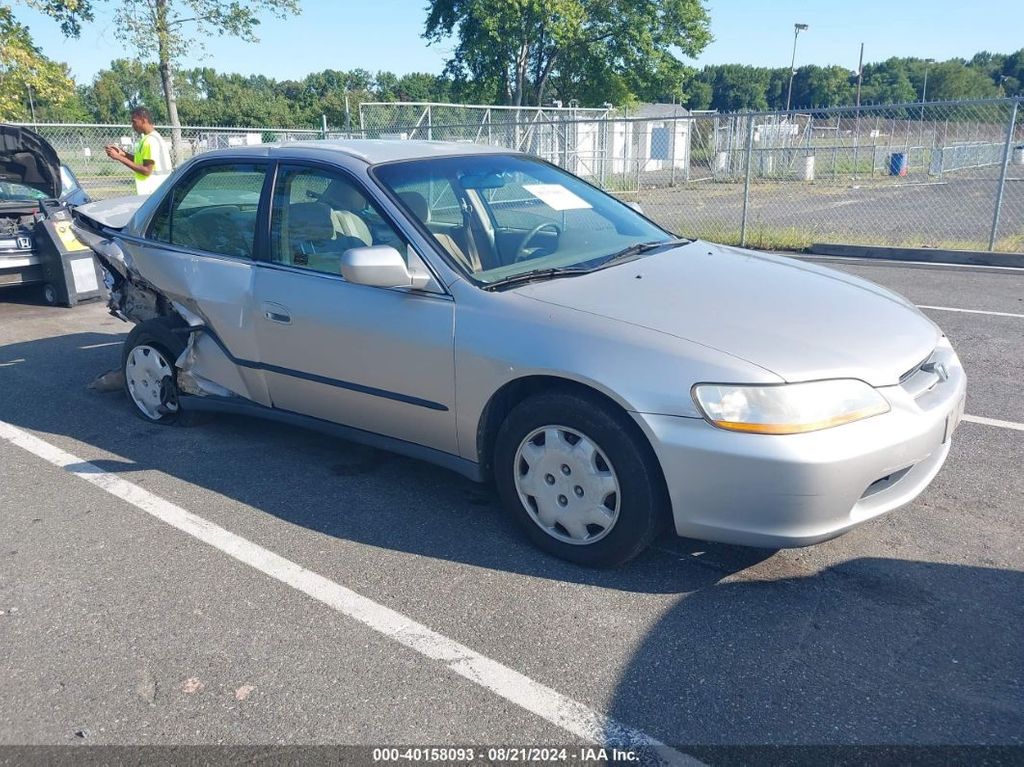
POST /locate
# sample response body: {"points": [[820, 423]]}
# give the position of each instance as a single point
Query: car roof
{"points": [[370, 151]]}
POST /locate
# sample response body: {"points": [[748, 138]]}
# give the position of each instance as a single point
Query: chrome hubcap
{"points": [[145, 373], [567, 485]]}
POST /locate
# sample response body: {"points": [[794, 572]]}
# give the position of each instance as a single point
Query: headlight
{"points": [[790, 408]]}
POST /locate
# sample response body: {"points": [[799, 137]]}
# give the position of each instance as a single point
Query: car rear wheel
{"points": [[149, 374], [579, 479]]}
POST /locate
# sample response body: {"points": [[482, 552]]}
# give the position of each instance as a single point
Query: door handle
{"points": [[276, 313]]}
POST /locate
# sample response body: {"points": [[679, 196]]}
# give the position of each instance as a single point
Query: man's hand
{"points": [[115, 152]]}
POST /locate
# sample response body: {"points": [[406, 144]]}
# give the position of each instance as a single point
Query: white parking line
{"points": [[994, 422], [970, 311], [560, 710]]}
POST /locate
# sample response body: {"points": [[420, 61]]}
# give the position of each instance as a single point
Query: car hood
{"points": [[113, 213], [798, 320], [27, 158]]}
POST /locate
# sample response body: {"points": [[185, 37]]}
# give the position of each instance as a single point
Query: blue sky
{"points": [[385, 34]]}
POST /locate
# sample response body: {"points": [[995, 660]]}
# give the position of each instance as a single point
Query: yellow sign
{"points": [[68, 238]]}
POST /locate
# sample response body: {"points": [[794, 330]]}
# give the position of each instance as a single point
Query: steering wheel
{"points": [[521, 250]]}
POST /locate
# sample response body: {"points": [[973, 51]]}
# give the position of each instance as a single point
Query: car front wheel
{"points": [[579, 478]]}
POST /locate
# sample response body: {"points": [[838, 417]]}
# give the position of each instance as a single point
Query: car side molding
{"points": [[239, 406]]}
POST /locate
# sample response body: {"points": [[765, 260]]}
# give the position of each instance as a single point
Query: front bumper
{"points": [[20, 268], [800, 489]]}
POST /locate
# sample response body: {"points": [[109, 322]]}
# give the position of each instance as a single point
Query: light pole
{"points": [[924, 87], [797, 29], [856, 130]]}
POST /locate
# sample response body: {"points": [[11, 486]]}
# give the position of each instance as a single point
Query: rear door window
{"points": [[213, 210]]}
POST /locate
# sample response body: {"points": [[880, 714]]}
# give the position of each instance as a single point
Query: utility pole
{"points": [[797, 29], [31, 104], [924, 88], [860, 73]]}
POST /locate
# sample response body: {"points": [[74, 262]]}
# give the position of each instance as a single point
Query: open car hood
{"points": [[27, 158]]}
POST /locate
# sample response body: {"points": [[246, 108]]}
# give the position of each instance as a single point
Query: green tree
{"points": [[953, 80], [68, 13], [27, 76], [736, 87], [815, 86], [422, 86], [511, 49], [1011, 76], [888, 82], [124, 86], [170, 28], [698, 92]]}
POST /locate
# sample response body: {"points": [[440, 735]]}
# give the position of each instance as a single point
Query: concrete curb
{"points": [[924, 255]]}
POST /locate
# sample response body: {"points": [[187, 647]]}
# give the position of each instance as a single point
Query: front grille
{"points": [[914, 369], [920, 379]]}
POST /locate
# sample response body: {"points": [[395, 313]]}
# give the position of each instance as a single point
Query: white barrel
{"points": [[1018, 155], [807, 173]]}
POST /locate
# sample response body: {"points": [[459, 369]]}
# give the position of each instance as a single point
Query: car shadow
{"points": [[866, 652], [319, 482], [26, 295]]}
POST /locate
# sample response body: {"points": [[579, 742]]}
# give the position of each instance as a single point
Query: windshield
{"points": [[10, 192], [499, 216]]}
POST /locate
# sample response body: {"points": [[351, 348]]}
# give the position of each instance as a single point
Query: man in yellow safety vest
{"points": [[151, 161]]}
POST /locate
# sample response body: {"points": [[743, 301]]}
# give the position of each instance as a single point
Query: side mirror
{"points": [[379, 266]]}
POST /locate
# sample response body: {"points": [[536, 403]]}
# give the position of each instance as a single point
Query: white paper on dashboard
{"points": [[84, 274], [557, 196]]}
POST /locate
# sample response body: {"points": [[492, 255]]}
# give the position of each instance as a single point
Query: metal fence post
{"points": [[674, 136], [635, 140], [691, 126], [746, 180], [1002, 175]]}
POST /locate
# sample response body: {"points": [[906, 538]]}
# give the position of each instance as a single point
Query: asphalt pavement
{"points": [[430, 620]]}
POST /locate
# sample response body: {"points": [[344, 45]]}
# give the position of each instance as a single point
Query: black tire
{"points": [[158, 335], [48, 293], [642, 503]]}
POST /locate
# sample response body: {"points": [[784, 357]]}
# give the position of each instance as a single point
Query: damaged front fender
{"points": [[132, 299]]}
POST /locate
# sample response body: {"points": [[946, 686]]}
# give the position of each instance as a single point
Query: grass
{"points": [[767, 237]]}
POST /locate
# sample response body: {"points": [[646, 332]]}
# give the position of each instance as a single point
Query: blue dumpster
{"points": [[898, 164]]}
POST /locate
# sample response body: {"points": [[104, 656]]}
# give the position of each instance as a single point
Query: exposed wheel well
{"points": [[514, 392]]}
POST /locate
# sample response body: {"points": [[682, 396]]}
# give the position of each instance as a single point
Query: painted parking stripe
{"points": [[971, 311], [560, 710], [994, 422]]}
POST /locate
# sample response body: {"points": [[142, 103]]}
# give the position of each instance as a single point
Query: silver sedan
{"points": [[497, 316]]}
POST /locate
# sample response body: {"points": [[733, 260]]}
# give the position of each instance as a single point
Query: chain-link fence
{"points": [[81, 147], [504, 126], [943, 175]]}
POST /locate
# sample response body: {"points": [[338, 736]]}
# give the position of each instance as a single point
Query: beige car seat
{"points": [[344, 201], [418, 207], [311, 238]]}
